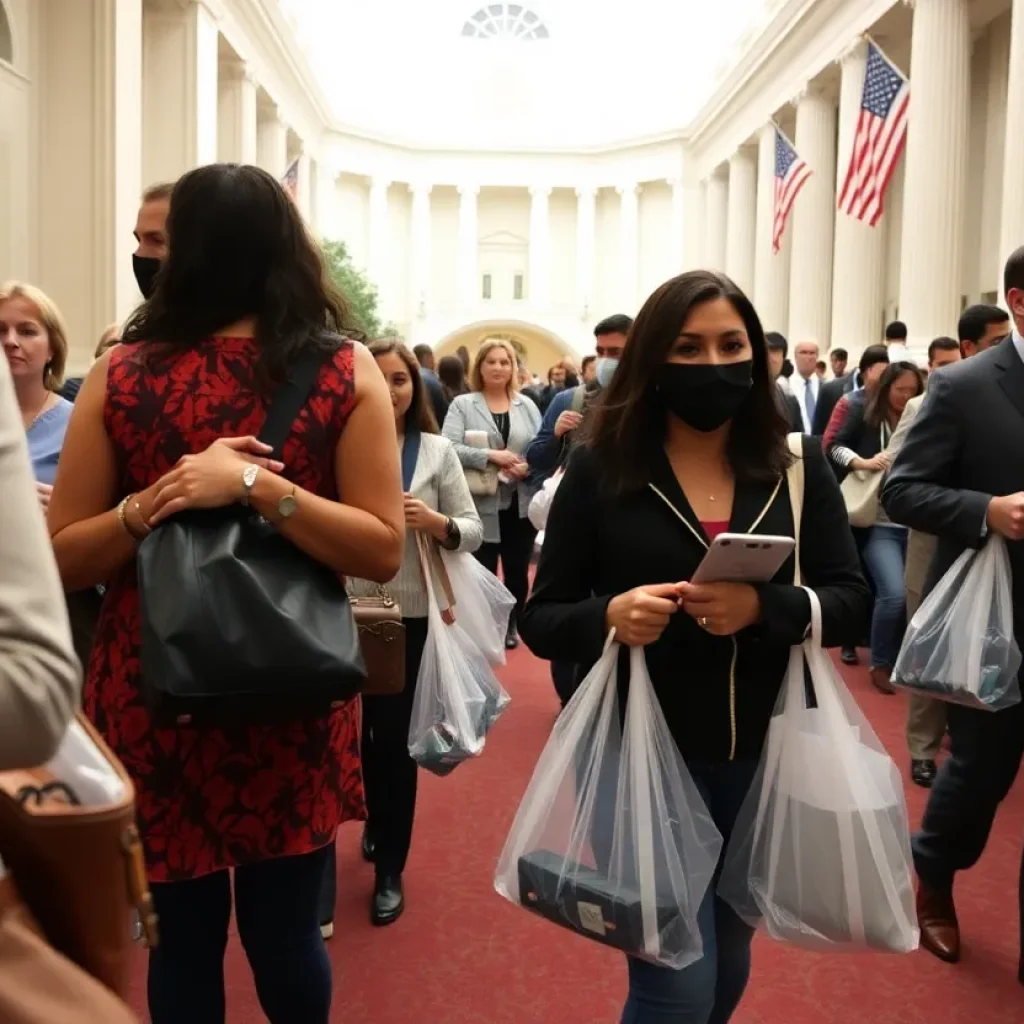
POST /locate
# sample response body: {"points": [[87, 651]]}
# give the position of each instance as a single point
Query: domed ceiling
{"points": [[536, 74]]}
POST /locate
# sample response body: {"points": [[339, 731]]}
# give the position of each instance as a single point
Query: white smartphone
{"points": [[743, 558]]}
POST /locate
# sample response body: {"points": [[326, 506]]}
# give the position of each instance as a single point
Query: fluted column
{"points": [[677, 245], [990, 183], [304, 183], [936, 170], [1012, 216], [378, 231], [272, 143], [468, 243], [629, 245], [421, 247], [771, 269], [540, 246], [858, 266], [813, 216], [236, 114], [715, 218], [740, 218], [693, 228], [586, 244]]}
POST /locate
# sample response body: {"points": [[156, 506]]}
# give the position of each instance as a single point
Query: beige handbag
{"points": [[860, 492], [482, 482]]}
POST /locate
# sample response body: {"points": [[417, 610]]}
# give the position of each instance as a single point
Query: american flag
{"points": [[878, 141], [291, 179], [791, 173]]}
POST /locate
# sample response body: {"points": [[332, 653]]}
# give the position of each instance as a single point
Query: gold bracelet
{"points": [[122, 505], [142, 518]]}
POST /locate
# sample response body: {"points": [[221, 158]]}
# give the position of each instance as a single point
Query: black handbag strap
{"points": [[290, 397]]}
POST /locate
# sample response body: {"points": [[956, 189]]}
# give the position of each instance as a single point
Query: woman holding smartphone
{"points": [[688, 443]]}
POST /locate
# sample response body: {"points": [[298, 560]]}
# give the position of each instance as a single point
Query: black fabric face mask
{"points": [[146, 268], [704, 396]]}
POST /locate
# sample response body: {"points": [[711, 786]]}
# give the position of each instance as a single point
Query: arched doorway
{"points": [[543, 348], [6, 36]]}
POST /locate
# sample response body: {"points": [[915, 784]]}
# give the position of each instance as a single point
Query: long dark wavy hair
{"points": [[878, 409], [237, 247], [419, 414], [628, 424]]}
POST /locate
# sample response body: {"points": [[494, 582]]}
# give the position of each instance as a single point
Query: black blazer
{"points": [[598, 545], [857, 434], [828, 398], [790, 408], [965, 447]]}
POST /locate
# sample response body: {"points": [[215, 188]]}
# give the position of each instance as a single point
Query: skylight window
{"points": [[505, 21]]}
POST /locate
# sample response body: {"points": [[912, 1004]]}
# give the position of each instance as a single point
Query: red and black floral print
{"points": [[215, 798]]}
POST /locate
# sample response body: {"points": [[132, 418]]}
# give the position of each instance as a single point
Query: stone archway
{"points": [[543, 347], [6, 35]]}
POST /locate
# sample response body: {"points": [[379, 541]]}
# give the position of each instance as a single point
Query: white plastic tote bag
{"points": [[959, 646], [612, 838], [821, 847], [457, 697], [540, 503], [483, 603]]}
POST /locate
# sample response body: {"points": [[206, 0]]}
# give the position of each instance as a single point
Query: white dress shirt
{"points": [[899, 353], [799, 388]]}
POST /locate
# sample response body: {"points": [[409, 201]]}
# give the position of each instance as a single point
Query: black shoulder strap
{"points": [[290, 397]]}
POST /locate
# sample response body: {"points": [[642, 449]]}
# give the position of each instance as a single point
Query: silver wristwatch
{"points": [[249, 475]]}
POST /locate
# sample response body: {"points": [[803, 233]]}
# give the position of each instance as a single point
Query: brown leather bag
{"points": [[40, 986], [78, 865], [382, 641]]}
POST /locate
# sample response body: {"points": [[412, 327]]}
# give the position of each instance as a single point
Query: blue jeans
{"points": [[709, 990], [278, 924], [885, 554]]}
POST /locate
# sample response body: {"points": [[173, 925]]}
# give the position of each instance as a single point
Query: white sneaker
{"points": [[327, 930]]}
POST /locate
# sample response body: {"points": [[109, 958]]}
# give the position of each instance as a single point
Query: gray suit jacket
{"points": [[470, 412], [39, 673]]}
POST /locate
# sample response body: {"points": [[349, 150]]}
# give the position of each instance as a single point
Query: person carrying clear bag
{"points": [[687, 443], [959, 646]]}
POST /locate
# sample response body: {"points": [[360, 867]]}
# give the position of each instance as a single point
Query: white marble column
{"points": [[179, 93], [586, 247], [740, 219], [715, 218], [989, 276], [629, 246], [693, 226], [771, 269], [813, 217], [272, 142], [1012, 216], [378, 232], [421, 247], [858, 267], [540, 246], [81, 228], [236, 114], [677, 244], [469, 286], [325, 217], [936, 172], [304, 183]]}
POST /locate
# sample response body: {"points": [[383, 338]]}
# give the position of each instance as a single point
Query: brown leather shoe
{"points": [[940, 931], [880, 680]]}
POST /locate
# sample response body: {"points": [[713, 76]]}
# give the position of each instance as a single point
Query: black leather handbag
{"points": [[237, 622]]}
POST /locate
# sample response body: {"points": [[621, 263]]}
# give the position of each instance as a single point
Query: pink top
{"points": [[714, 528]]}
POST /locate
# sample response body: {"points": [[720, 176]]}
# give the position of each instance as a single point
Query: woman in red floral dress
{"points": [[168, 421]]}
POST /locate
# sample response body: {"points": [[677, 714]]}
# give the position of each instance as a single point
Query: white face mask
{"points": [[605, 370]]}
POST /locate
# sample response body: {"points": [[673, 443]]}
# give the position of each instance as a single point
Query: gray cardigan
{"points": [[470, 412], [439, 483], [40, 677]]}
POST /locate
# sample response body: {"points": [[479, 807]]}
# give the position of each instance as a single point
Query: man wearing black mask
{"points": [[151, 236]]}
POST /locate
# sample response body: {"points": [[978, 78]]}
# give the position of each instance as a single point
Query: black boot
{"points": [[923, 772], [388, 899], [369, 846], [512, 636]]}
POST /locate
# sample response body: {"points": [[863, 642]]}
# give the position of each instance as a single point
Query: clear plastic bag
{"points": [[483, 603], [457, 697], [612, 839], [959, 646], [540, 503], [820, 850]]}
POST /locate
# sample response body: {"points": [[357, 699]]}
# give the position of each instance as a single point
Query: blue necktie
{"points": [[809, 403]]}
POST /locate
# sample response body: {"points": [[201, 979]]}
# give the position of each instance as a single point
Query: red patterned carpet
{"points": [[462, 955]]}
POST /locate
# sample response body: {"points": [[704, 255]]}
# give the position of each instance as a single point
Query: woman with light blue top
{"points": [[35, 343]]}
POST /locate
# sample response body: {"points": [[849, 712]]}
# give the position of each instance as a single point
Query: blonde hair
{"points": [[489, 345], [108, 339], [52, 321]]}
